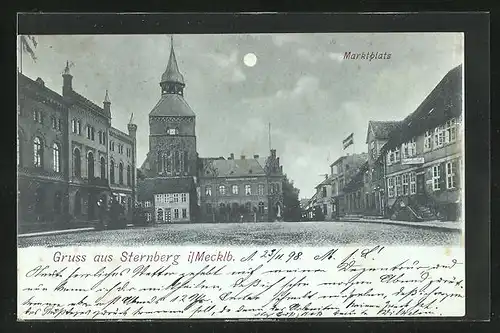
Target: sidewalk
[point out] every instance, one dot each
(63, 231)
(437, 224)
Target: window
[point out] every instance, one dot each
(128, 175)
(159, 214)
(90, 165)
(451, 179)
(222, 190)
(438, 137)
(112, 172)
(120, 173)
(323, 192)
(409, 148)
(261, 207)
(428, 141)
(397, 156)
(406, 178)
(186, 162)
(183, 197)
(261, 189)
(184, 213)
(53, 121)
(390, 187)
(147, 204)
(56, 157)
(73, 126)
(38, 116)
(436, 177)
(37, 152)
(89, 132)
(103, 138)
(148, 217)
(248, 189)
(398, 185)
(208, 191)
(168, 162)
(235, 189)
(390, 157)
(176, 213)
(413, 183)
(176, 197)
(77, 163)
(103, 168)
(450, 134)
(99, 134)
(178, 161)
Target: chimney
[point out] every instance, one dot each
(243, 157)
(326, 176)
(67, 80)
(256, 156)
(231, 156)
(40, 82)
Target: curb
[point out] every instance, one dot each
(410, 224)
(54, 232)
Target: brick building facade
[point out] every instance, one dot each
(63, 155)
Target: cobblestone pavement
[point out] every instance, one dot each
(258, 234)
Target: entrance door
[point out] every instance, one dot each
(168, 215)
(420, 184)
(91, 206)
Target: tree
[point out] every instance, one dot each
(291, 210)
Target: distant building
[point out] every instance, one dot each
(324, 196)
(342, 171)
(424, 156)
(168, 190)
(241, 190)
(63, 156)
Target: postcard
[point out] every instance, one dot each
(241, 176)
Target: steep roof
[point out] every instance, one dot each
(442, 104)
(172, 73)
(84, 102)
(381, 129)
(232, 168)
(172, 105)
(148, 187)
(39, 85)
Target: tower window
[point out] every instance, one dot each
(172, 131)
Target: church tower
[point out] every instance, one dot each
(172, 138)
(167, 186)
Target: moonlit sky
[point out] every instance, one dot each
(301, 84)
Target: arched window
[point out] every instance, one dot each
(112, 171)
(90, 165)
(56, 157)
(77, 209)
(222, 190)
(77, 162)
(19, 150)
(186, 162)
(57, 202)
(128, 175)
(120, 173)
(39, 201)
(37, 152)
(159, 214)
(168, 162)
(103, 167)
(160, 162)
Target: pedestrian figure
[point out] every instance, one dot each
(102, 213)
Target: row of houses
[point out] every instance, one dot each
(412, 170)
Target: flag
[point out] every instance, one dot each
(348, 141)
(28, 45)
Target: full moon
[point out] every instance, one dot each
(250, 59)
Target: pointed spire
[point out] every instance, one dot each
(131, 121)
(106, 98)
(172, 73)
(66, 69)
